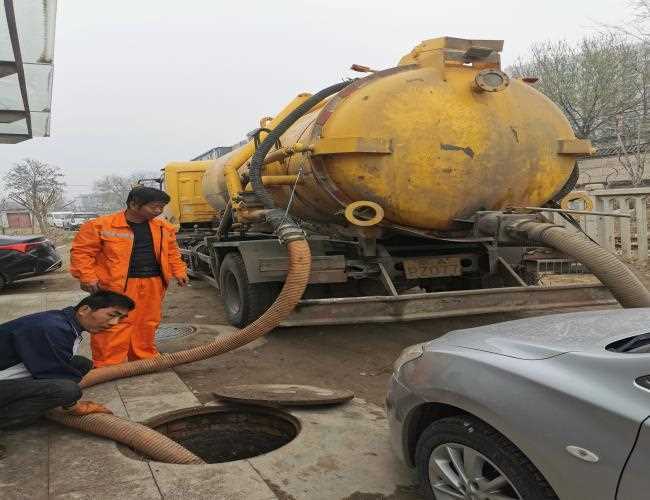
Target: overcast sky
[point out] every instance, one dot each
(138, 83)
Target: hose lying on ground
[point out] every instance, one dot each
(137, 436)
(614, 274)
(150, 442)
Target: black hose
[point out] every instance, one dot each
(226, 222)
(276, 217)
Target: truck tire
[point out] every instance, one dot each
(443, 446)
(244, 302)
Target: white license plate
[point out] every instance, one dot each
(432, 267)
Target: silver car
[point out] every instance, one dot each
(548, 407)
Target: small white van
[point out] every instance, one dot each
(57, 219)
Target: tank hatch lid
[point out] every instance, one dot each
(282, 395)
(460, 50)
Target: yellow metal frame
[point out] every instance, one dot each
(338, 145)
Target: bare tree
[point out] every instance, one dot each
(602, 85)
(632, 129)
(638, 25)
(111, 191)
(590, 81)
(36, 186)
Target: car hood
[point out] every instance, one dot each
(547, 336)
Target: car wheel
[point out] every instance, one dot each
(463, 457)
(244, 302)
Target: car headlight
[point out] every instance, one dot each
(409, 354)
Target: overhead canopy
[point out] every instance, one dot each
(26, 68)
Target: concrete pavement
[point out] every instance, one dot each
(340, 452)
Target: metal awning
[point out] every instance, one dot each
(26, 68)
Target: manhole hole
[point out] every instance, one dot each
(174, 331)
(225, 434)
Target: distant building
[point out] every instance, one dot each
(213, 154)
(13, 216)
(219, 151)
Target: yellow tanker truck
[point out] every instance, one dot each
(402, 183)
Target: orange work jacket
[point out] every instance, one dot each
(101, 251)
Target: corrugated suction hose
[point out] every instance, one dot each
(137, 436)
(294, 287)
(614, 274)
(150, 442)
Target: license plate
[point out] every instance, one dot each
(432, 267)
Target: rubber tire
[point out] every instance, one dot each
(472, 432)
(254, 299)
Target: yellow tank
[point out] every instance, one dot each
(435, 139)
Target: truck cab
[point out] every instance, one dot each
(187, 208)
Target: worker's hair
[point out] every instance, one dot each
(104, 299)
(141, 195)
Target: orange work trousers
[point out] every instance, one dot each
(134, 337)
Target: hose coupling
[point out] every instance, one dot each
(289, 232)
(284, 227)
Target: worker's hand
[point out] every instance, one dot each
(92, 287)
(86, 408)
(182, 280)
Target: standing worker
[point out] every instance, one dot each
(133, 253)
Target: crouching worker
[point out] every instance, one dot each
(39, 368)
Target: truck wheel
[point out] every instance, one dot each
(244, 302)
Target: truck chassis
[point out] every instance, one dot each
(388, 282)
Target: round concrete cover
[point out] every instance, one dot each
(283, 394)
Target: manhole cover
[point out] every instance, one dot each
(226, 434)
(283, 394)
(174, 331)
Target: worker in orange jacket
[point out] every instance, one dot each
(134, 253)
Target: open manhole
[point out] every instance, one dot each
(225, 434)
(173, 331)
